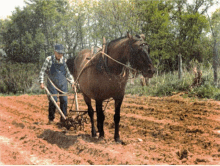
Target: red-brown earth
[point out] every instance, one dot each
(155, 130)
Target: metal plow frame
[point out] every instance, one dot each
(70, 122)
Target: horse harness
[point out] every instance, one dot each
(102, 65)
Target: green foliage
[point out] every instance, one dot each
(172, 27)
(207, 88)
(217, 96)
(163, 85)
(17, 78)
(156, 26)
(32, 32)
(205, 91)
(111, 19)
(215, 22)
(168, 84)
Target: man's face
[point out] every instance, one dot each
(58, 55)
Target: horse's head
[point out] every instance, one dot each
(140, 55)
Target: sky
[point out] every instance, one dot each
(8, 6)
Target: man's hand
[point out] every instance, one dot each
(42, 85)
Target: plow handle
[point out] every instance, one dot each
(76, 100)
(55, 103)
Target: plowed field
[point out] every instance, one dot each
(166, 130)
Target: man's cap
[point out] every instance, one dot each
(59, 48)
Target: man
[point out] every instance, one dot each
(58, 73)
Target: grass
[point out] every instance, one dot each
(167, 84)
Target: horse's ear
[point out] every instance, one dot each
(142, 36)
(129, 35)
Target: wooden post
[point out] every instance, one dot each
(180, 70)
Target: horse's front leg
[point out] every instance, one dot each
(91, 114)
(118, 103)
(100, 118)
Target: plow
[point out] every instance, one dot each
(76, 118)
(70, 122)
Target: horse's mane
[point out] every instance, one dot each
(116, 40)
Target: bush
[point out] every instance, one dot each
(168, 83)
(217, 96)
(163, 85)
(205, 91)
(17, 78)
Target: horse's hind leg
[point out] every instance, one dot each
(100, 118)
(118, 103)
(91, 114)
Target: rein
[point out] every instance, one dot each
(118, 62)
(56, 87)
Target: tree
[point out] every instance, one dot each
(48, 15)
(72, 29)
(112, 19)
(156, 25)
(22, 36)
(215, 30)
(2, 29)
(173, 27)
(32, 32)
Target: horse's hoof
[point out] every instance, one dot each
(101, 134)
(101, 137)
(94, 134)
(118, 141)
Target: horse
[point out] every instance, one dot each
(102, 77)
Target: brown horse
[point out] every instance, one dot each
(103, 78)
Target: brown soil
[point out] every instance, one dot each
(166, 130)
